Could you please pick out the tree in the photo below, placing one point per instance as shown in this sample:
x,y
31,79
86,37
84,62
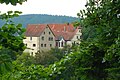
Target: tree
x,y
11,38
102,15
11,35
96,59
13,2
45,58
25,59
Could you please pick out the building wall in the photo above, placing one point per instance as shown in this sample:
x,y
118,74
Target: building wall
x,y
69,43
77,37
32,44
46,40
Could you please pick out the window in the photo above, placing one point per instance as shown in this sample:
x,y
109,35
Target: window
x,y
44,45
41,45
62,44
50,45
79,30
77,37
49,32
32,53
26,44
50,38
34,45
44,32
42,37
57,44
30,38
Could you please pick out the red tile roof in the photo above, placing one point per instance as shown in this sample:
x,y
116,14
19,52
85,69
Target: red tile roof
x,y
34,30
65,30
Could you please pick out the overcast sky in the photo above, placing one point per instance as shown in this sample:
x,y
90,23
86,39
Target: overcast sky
x,y
53,7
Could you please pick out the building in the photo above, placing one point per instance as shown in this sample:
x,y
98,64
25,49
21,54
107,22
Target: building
x,y
43,37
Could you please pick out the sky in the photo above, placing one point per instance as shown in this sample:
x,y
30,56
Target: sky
x,y
52,7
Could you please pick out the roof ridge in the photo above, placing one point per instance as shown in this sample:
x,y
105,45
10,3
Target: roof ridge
x,y
57,29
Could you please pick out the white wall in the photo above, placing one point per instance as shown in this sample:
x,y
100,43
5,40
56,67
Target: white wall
x,y
29,43
69,43
77,37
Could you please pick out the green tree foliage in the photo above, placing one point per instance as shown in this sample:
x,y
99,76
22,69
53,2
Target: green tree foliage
x,y
25,59
102,16
11,41
5,61
51,56
95,59
13,2
60,53
45,58
11,37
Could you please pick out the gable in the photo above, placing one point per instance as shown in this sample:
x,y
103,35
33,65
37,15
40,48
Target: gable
x,y
47,31
34,30
67,31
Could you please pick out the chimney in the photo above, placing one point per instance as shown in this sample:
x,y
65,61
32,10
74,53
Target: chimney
x,y
68,23
64,29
